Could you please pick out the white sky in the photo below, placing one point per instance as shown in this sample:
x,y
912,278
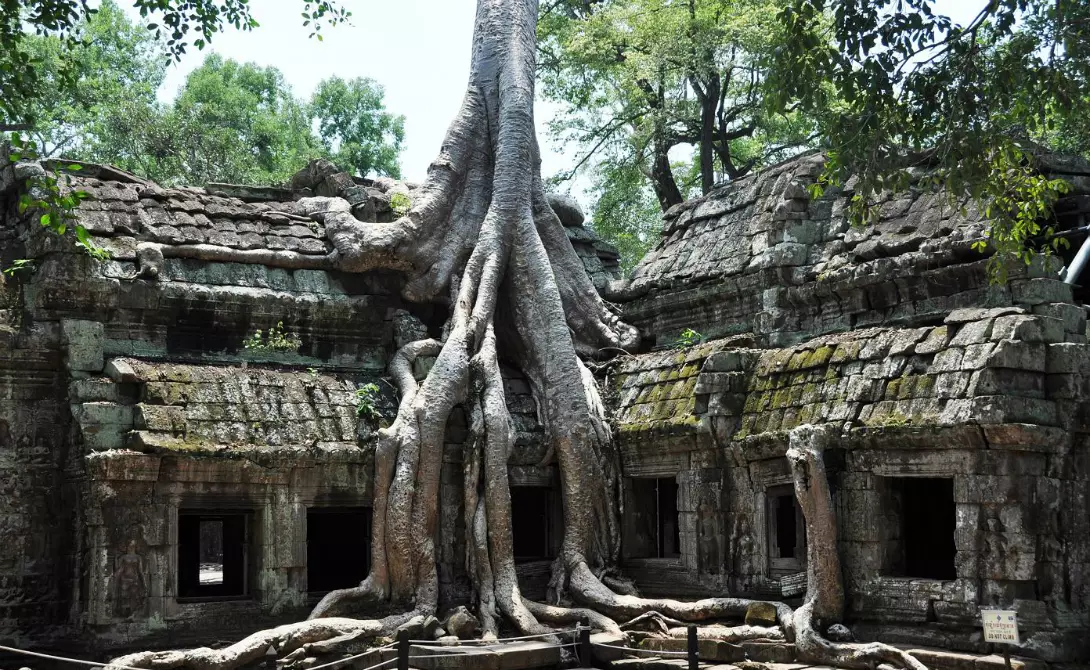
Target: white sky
x,y
418,50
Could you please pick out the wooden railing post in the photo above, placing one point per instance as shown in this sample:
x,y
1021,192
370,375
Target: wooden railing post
x,y
584,645
694,661
402,649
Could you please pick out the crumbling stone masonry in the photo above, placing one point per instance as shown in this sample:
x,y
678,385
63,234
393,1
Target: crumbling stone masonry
x,y
163,483
961,465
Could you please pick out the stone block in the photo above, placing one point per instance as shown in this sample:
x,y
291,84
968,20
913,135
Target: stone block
x,y
951,384
1073,317
160,418
1026,437
84,343
955,412
972,332
769,652
976,355
121,370
947,360
1068,357
1068,386
967,314
1007,381
935,341
1019,355
1007,409
85,390
1039,291
1036,328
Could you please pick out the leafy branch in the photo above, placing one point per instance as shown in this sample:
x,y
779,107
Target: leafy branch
x,y
55,205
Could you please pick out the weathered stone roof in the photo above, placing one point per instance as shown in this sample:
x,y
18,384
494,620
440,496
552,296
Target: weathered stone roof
x,y
655,394
760,255
122,210
151,406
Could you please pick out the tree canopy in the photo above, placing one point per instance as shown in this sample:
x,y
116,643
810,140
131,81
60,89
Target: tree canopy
x,y
230,122
638,78
970,103
177,23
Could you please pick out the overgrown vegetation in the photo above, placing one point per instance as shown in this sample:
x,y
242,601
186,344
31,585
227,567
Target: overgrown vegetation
x,y
688,338
663,100
94,99
896,86
276,339
366,399
400,204
52,199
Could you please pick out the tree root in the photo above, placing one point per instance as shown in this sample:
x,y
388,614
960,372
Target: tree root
x,y
284,639
586,588
824,603
731,633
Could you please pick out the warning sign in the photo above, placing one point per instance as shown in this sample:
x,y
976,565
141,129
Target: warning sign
x,y
1000,626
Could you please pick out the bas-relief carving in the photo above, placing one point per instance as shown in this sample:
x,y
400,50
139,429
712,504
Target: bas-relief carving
x,y
130,584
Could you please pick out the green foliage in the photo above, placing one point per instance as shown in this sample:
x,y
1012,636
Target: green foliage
x,y
277,339
625,213
52,199
231,122
82,80
1017,199
116,65
638,81
19,266
400,204
366,397
896,85
356,130
688,338
177,23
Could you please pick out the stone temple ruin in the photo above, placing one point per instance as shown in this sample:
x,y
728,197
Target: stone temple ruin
x,y
168,480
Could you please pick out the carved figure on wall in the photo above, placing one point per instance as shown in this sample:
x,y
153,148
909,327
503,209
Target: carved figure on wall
x,y
130,585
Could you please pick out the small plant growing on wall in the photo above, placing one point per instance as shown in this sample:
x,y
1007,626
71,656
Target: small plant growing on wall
x,y
688,338
276,339
400,204
19,267
366,397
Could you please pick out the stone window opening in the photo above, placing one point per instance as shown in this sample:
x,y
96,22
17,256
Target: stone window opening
x,y
786,532
918,524
338,547
213,554
533,531
651,518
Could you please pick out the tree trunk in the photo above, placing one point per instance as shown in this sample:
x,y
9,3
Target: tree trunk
x,y
662,177
824,605
709,102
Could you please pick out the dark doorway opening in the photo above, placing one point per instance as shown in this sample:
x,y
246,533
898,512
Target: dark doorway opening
x,y
338,547
786,532
532,523
213,554
651,518
921,518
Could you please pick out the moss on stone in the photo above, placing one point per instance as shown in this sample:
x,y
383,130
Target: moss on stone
x,y
820,356
925,384
846,351
893,387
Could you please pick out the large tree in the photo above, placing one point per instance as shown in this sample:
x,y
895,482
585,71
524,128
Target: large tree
x,y
481,238
640,77
663,100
